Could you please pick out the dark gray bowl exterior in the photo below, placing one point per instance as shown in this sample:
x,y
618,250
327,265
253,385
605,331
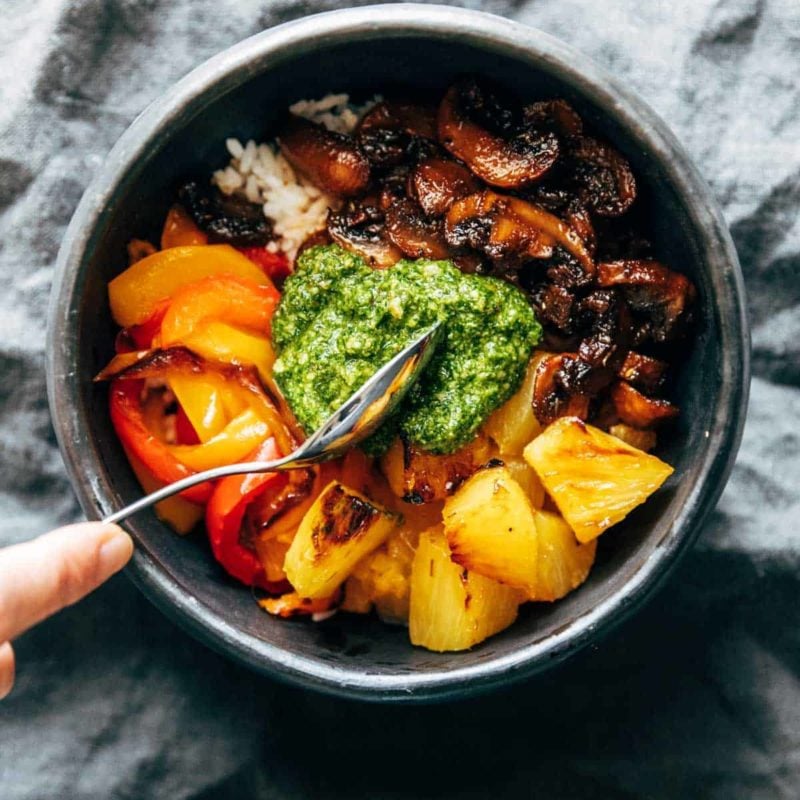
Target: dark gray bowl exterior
x,y
242,92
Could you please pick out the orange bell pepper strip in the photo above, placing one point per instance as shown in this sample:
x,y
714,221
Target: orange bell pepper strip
x,y
293,605
180,230
135,294
225,513
128,419
233,300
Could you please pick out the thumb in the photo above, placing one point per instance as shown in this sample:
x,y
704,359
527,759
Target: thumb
x,y
40,577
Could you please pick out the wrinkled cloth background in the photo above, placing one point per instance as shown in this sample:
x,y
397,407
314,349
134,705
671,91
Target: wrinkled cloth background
x,y
697,697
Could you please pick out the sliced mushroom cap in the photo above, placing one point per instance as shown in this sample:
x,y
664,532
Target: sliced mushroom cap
x,y
637,410
438,182
643,372
555,305
414,235
331,161
553,115
664,297
360,228
413,118
605,320
605,177
511,230
388,131
509,163
558,390
316,239
579,219
226,219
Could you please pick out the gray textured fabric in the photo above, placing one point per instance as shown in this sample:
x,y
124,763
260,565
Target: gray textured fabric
x,y
699,696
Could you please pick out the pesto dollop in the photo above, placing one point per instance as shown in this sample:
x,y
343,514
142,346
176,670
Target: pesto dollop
x,y
340,320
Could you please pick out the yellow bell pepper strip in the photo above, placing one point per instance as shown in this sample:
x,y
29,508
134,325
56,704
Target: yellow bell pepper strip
x,y
135,294
181,515
238,438
217,341
233,300
180,230
205,399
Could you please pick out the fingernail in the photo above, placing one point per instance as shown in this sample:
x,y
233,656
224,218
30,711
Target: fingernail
x,y
7,669
115,551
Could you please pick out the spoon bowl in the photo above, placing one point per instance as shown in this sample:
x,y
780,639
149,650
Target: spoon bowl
x,y
351,423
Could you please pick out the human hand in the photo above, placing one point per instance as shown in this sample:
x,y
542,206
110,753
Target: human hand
x,y
40,577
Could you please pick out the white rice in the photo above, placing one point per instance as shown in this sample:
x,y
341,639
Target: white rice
x,y
260,173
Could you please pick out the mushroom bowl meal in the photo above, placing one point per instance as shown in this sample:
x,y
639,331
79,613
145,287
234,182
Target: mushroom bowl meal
x,y
293,215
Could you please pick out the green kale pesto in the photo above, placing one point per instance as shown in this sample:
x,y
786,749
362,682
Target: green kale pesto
x,y
339,321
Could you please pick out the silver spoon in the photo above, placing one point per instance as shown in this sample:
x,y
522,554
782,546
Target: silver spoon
x,y
351,423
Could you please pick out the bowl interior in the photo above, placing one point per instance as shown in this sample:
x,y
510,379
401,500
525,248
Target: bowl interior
x,y
249,107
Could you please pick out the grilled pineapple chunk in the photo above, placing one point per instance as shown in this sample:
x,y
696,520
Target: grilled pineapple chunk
x,y
383,578
451,608
422,477
339,529
594,478
490,527
513,425
522,473
643,440
563,563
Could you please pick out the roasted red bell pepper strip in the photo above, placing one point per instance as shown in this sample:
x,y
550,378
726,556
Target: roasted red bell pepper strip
x,y
128,420
275,265
140,337
225,512
184,430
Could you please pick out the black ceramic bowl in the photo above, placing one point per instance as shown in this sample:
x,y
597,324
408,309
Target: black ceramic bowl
x,y
242,92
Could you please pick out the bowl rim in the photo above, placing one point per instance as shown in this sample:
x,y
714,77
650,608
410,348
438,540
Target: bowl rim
x,y
232,67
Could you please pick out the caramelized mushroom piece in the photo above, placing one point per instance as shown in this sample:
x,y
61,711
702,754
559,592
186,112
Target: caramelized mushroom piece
x,y
416,236
605,177
643,440
663,296
555,306
315,239
634,409
509,161
605,319
578,218
389,130
511,230
414,119
226,219
331,161
642,371
558,389
553,115
438,182
359,228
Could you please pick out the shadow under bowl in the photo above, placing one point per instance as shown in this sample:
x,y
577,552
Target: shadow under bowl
x,y
243,92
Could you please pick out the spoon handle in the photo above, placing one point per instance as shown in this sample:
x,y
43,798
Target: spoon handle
x,y
208,475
